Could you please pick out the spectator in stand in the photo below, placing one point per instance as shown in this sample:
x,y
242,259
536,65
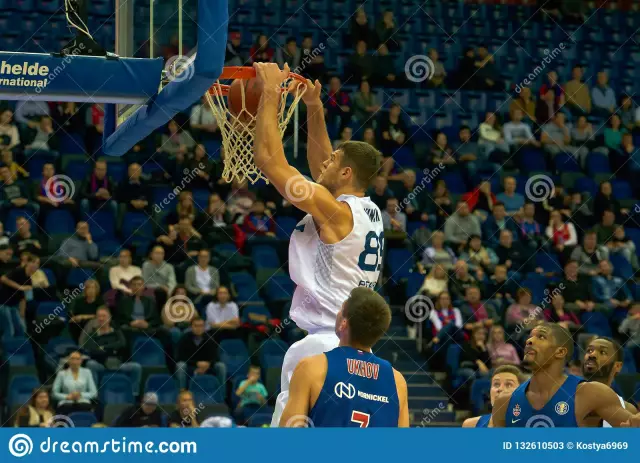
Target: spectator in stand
x,y
394,221
79,250
97,191
16,169
436,253
29,110
446,325
630,327
481,200
261,51
9,135
518,133
385,70
479,257
159,275
24,240
369,137
361,64
37,413
50,194
312,60
134,195
589,255
83,309
530,230
475,360
500,351
440,204
460,281
6,257
441,151
435,282
475,312
460,226
95,127
380,192
196,355
337,105
603,97
45,138
561,233
466,154
202,280
106,346
577,291
515,256
74,387
552,93
137,315
289,54
501,287
523,315
524,103
240,200
613,133
14,194
186,413
582,133
233,55
223,316
120,276
146,415
176,140
200,167
386,29
607,226
259,222
623,245
486,76
627,112
512,200
345,136
204,125
610,290
251,392
496,222
466,69
214,223
577,93
365,105
17,287
605,201
438,73
182,243
491,137
69,117
557,313
556,138
360,30
184,209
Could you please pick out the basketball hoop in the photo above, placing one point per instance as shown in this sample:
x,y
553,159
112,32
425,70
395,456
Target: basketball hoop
x,y
238,130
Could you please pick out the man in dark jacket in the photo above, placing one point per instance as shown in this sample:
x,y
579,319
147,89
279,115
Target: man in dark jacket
x,y
497,222
196,355
98,190
147,415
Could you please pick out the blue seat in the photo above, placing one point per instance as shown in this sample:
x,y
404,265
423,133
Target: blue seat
x,y
201,198
148,352
256,315
453,362
60,222
246,287
260,419
629,362
548,262
621,267
621,189
265,257
272,353
164,386
532,160
565,162
18,351
479,392
116,388
137,224
285,227
102,224
60,346
455,182
57,309
279,288
414,283
234,354
597,163
586,184
83,419
400,263
21,389
78,276
206,390
14,213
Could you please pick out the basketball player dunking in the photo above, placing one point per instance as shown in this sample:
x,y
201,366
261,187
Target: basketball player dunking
x,y
551,398
349,386
338,245
602,361
505,378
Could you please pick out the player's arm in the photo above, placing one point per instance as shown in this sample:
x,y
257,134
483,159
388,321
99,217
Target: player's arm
x,y
318,142
471,422
630,407
270,159
499,412
403,399
299,403
605,403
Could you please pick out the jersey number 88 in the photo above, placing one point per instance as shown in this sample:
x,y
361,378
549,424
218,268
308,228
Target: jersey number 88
x,y
373,244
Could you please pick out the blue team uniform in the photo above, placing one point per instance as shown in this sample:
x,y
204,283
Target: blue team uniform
x,y
558,412
483,422
359,391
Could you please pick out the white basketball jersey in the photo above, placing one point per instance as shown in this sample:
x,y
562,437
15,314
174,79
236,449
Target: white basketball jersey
x,y
325,274
607,425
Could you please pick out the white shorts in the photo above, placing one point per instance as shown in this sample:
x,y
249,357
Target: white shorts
x,y
312,344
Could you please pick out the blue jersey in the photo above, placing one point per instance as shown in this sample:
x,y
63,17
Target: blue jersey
x,y
359,391
558,412
483,422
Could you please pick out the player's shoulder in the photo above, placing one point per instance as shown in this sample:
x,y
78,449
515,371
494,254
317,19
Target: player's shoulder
x,y
471,422
313,365
401,382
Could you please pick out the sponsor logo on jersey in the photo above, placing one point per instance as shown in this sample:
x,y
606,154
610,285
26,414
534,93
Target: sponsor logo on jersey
x,y
363,368
562,408
344,390
516,411
374,397
367,284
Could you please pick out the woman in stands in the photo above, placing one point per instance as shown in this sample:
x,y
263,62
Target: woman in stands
x,y
435,282
500,350
186,413
74,388
437,254
561,233
37,413
84,308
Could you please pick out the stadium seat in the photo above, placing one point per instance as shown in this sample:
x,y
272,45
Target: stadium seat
x,y
137,224
116,388
61,346
206,389
148,352
164,386
284,227
233,353
83,419
21,389
60,222
78,276
479,393
597,163
246,288
272,353
18,351
400,263
279,288
264,257
102,224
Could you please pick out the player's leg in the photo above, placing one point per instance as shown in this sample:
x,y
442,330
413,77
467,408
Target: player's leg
x,y
313,344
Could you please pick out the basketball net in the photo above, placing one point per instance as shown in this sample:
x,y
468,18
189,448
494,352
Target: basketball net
x,y
238,131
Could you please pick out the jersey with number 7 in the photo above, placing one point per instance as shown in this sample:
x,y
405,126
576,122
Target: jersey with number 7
x,y
326,273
